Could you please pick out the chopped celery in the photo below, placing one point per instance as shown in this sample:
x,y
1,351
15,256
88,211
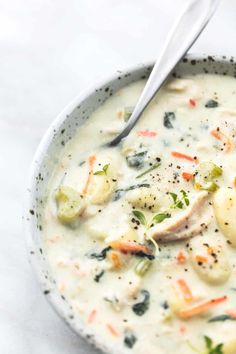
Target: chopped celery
x,y
127,113
205,176
142,267
70,204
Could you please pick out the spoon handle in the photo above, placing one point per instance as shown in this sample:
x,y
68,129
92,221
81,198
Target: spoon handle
x,y
184,33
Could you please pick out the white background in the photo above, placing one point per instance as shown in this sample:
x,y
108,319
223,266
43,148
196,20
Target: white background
x,y
50,50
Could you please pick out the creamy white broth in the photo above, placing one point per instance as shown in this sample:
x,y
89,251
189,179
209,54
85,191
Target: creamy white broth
x,y
189,248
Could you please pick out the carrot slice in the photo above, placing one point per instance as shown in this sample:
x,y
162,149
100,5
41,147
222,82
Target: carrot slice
x,y
187,176
92,316
217,134
187,293
129,247
198,309
112,330
192,102
179,155
181,257
116,260
91,161
147,133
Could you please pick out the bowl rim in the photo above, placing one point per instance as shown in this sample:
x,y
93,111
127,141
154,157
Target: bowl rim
x,y
39,157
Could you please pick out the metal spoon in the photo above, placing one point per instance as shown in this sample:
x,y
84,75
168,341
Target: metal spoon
x,y
184,33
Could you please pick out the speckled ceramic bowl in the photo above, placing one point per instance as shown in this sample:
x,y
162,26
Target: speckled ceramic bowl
x,y
60,132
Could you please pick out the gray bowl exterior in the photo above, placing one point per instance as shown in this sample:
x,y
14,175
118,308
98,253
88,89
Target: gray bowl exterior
x,y
51,148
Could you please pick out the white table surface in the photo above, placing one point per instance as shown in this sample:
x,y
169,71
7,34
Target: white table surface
x,y
50,50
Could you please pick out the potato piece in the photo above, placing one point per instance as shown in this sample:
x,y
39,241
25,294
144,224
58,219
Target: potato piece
x,y
103,184
209,261
70,204
101,189
143,198
224,204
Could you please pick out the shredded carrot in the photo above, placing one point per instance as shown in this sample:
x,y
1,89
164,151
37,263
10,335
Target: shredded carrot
x,y
198,309
217,134
112,330
187,176
185,290
192,102
231,313
181,257
129,247
147,133
92,316
91,161
179,155
116,260
201,259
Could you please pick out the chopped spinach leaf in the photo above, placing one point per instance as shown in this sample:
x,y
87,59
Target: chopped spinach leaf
x,y
169,117
211,104
141,307
130,340
221,318
100,256
120,192
136,160
98,276
149,170
144,255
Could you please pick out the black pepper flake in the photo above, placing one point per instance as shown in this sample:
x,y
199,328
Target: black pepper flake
x,y
31,211
46,292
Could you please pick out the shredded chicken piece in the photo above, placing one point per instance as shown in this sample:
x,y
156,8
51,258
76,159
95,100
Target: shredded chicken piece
x,y
185,224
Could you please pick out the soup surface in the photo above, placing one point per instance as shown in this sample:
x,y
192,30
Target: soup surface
x,y
141,238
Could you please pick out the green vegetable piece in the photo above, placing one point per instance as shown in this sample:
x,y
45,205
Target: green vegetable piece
x,y
211,104
141,308
100,256
169,117
218,349
178,203
98,276
130,340
103,171
143,266
221,318
70,204
137,160
127,113
120,192
149,170
158,218
205,177
140,216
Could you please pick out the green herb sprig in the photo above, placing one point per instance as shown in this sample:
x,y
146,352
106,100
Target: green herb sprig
x,y
179,202
211,349
103,171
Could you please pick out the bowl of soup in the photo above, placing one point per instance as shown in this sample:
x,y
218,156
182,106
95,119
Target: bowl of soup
x,y
134,246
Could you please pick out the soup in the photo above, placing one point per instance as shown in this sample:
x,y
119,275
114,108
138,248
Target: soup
x,y
141,238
